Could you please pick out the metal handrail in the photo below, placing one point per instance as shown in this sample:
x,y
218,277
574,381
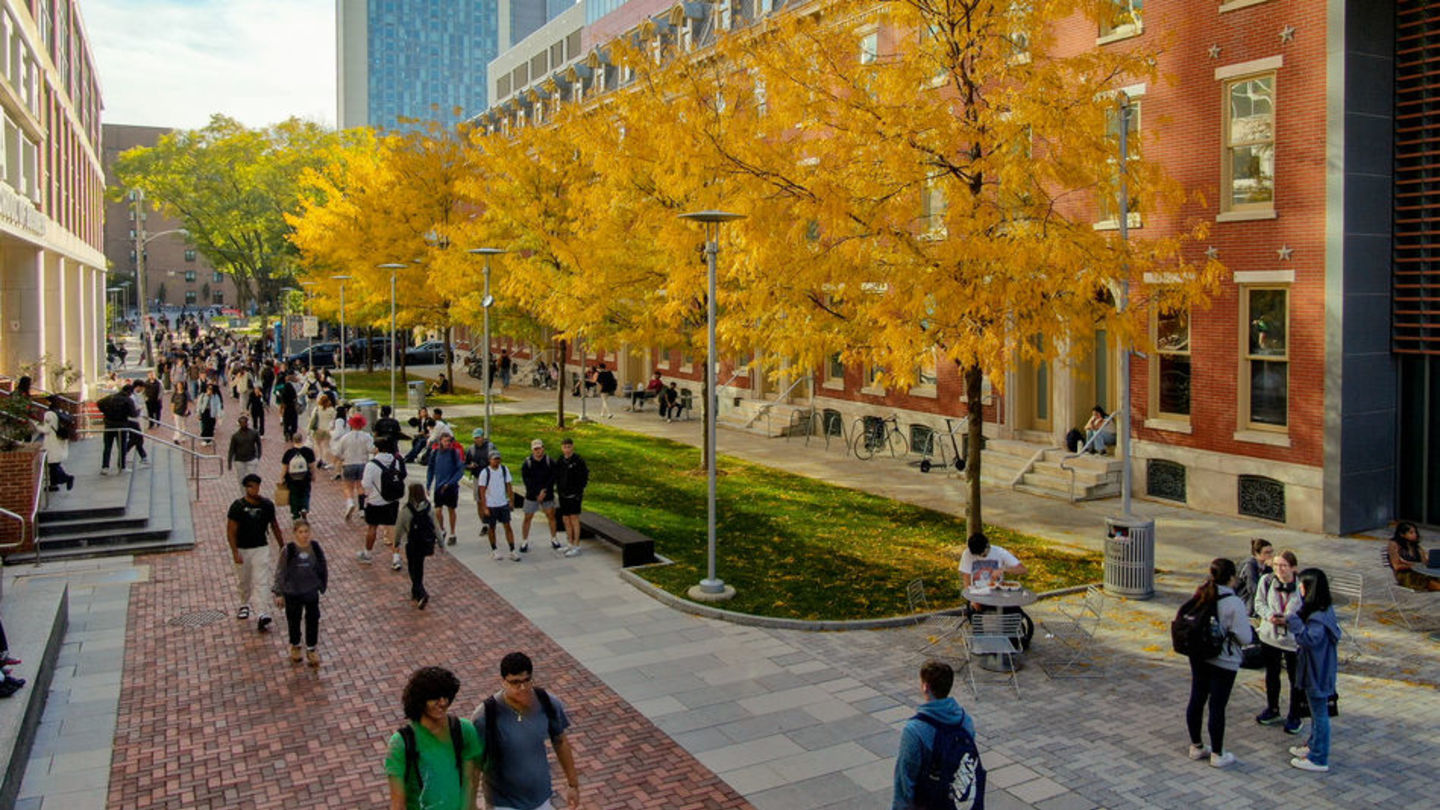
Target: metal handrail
x,y
1030,465
34,510
770,406
18,519
1077,454
195,456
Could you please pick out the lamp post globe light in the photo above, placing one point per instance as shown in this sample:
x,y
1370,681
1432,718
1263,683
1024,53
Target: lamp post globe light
x,y
342,279
485,303
392,267
712,588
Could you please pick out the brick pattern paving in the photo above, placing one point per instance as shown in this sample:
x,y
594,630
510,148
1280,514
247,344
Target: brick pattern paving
x,y
216,716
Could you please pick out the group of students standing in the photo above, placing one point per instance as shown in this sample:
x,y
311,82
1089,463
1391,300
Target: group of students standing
x,y
1298,632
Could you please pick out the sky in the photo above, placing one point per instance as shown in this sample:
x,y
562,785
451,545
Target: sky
x,y
174,63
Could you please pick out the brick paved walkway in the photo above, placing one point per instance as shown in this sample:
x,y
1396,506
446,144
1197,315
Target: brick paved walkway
x,y
216,716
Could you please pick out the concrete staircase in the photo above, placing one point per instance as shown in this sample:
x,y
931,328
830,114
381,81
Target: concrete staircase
x,y
760,417
1096,477
146,509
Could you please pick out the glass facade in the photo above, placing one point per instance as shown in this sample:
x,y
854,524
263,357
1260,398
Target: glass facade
x,y
426,54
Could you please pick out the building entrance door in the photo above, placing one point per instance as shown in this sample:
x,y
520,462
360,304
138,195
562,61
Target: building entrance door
x,y
1033,403
1418,490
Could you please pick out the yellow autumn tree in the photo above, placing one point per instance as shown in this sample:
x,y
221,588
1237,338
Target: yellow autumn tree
x,y
922,180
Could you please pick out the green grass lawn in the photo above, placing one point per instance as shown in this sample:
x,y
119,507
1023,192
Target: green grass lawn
x,y
791,546
376,385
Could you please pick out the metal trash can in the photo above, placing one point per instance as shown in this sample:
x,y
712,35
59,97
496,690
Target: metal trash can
x,y
1130,557
370,409
415,394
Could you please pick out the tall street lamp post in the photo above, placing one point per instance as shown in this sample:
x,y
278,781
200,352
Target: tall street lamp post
x,y
392,267
712,588
310,340
485,304
342,279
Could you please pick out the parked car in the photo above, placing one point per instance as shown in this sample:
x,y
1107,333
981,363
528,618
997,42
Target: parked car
x,y
320,355
431,352
379,351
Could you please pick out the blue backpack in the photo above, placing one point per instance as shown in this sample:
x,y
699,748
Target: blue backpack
x,y
953,778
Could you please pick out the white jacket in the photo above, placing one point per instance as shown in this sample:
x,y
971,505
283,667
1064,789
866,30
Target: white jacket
x,y
57,450
354,447
370,482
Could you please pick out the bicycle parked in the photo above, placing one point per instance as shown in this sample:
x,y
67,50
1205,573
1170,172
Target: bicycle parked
x,y
874,433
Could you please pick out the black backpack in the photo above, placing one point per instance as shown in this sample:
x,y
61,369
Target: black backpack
x,y
412,753
490,756
953,778
1196,630
392,480
422,530
64,426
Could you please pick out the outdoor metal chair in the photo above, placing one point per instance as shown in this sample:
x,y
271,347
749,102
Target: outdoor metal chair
x,y
1351,586
1395,590
1076,630
997,634
920,610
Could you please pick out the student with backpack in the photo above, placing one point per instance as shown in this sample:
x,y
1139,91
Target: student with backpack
x,y
383,482
1209,630
494,492
435,754
416,523
514,724
300,578
1317,634
298,467
938,761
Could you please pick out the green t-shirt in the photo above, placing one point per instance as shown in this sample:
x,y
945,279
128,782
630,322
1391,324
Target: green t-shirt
x,y
444,789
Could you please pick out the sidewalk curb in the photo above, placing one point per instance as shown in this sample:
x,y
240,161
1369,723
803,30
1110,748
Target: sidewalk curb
x,y
666,598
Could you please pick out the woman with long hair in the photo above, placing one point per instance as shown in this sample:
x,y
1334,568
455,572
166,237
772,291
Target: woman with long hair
x,y
211,408
322,421
1405,554
1211,679
1277,598
1317,634
1255,566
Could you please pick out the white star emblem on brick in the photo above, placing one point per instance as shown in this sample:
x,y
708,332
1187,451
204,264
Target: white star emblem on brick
x,y
1284,252
1214,51
1287,34
1212,253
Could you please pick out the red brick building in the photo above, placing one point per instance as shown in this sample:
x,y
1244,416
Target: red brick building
x,y
1284,399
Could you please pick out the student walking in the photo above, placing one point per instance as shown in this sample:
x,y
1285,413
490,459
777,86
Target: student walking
x,y
1211,679
1317,635
572,475
179,408
211,407
938,762
435,755
354,450
245,526
245,450
442,476
494,487
383,481
298,466
1277,598
515,723
416,523
56,444
300,578
605,379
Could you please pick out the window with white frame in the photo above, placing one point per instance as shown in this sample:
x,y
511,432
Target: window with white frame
x,y
190,276
1171,379
1265,369
834,371
1249,181
869,46
1110,203
1122,18
933,206
926,373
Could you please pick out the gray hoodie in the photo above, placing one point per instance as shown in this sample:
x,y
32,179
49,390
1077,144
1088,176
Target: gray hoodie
x,y
1233,616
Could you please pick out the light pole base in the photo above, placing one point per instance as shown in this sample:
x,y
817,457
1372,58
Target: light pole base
x,y
711,590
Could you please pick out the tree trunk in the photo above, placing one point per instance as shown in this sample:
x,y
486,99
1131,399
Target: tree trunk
x,y
449,355
974,438
560,389
369,349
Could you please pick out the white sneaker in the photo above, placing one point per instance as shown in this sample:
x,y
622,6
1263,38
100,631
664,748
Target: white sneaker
x,y
1301,751
364,557
1222,760
514,556
395,562
573,551
1198,752
497,554
349,509
1305,764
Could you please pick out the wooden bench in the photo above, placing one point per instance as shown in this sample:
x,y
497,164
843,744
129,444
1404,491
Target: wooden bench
x,y
635,548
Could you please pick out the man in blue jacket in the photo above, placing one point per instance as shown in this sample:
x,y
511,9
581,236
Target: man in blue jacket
x,y
920,740
443,472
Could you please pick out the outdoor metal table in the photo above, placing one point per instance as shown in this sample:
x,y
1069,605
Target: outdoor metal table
x,y
1429,572
1001,600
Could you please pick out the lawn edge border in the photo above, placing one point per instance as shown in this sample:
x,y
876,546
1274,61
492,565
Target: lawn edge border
x,y
775,622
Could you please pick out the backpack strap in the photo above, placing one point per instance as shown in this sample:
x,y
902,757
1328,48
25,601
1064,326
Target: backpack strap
x,y
549,707
490,757
457,742
412,756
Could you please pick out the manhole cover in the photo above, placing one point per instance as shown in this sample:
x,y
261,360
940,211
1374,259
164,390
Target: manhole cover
x,y
198,618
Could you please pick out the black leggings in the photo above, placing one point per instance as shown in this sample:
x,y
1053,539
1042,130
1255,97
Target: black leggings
x,y
1213,684
1274,658
310,605
415,561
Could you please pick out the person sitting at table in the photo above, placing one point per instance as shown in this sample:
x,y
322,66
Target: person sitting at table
x,y
983,565
1405,555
